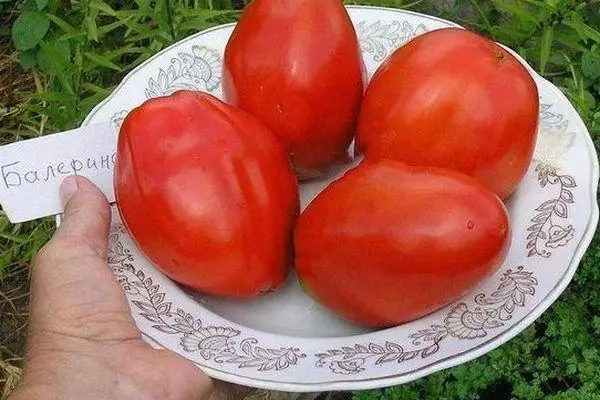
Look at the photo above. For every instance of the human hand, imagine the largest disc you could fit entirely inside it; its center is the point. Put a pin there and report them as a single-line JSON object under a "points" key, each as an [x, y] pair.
{"points": [[83, 343]]}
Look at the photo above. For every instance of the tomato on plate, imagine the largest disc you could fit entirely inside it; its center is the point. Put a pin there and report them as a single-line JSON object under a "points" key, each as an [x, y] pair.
{"points": [[297, 66], [208, 194], [451, 98], [389, 243]]}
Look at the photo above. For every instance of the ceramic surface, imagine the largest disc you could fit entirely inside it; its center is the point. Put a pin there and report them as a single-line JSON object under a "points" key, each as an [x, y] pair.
{"points": [[285, 341]]}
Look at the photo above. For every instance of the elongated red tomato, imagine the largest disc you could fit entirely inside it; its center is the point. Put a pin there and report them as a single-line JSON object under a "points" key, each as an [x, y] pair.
{"points": [[208, 194], [453, 99], [388, 243], [297, 66]]}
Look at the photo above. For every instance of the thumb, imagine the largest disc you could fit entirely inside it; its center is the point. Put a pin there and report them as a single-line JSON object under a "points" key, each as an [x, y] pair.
{"points": [[71, 280], [86, 219]]}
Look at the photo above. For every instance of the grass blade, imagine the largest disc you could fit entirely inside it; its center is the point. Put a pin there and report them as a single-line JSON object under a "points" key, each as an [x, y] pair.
{"points": [[95, 58], [545, 47], [62, 24]]}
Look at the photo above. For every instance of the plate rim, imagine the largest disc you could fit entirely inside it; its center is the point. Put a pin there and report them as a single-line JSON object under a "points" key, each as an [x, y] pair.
{"points": [[450, 361]]}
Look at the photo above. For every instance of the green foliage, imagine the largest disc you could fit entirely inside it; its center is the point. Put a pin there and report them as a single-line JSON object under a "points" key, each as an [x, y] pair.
{"points": [[561, 38], [29, 29], [85, 47], [76, 51], [20, 242]]}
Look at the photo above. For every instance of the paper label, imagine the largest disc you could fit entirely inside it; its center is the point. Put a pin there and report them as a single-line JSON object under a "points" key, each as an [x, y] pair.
{"points": [[31, 171]]}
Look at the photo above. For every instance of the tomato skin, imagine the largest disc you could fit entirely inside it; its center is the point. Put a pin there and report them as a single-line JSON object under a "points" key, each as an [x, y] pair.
{"points": [[197, 182], [297, 66], [453, 99], [388, 243]]}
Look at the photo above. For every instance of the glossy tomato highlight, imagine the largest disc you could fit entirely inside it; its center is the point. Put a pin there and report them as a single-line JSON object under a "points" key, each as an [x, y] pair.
{"points": [[388, 243], [297, 66], [208, 194], [453, 99]]}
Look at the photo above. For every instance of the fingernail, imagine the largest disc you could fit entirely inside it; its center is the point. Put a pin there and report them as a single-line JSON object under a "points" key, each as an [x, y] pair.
{"points": [[68, 188]]}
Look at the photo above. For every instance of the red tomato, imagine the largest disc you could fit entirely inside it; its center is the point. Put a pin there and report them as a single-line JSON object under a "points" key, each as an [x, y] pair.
{"points": [[208, 194], [388, 243], [297, 66], [453, 99]]}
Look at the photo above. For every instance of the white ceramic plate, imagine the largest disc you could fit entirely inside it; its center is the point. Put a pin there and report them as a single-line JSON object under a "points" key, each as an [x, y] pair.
{"points": [[284, 341]]}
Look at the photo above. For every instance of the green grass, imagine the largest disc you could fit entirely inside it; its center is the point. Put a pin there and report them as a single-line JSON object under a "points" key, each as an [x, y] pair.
{"points": [[68, 55]]}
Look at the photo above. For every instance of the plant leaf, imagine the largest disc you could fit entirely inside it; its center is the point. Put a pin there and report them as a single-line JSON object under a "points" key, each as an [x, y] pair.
{"points": [[27, 58], [29, 29], [62, 24], [102, 6], [545, 47], [590, 65], [41, 4], [57, 62], [102, 61]]}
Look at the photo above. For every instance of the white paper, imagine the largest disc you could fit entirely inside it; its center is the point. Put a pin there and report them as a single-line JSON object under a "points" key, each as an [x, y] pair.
{"points": [[31, 171]]}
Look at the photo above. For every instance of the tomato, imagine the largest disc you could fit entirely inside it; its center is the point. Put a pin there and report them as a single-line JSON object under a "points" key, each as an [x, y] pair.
{"points": [[197, 182], [389, 243], [297, 66], [453, 99]]}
